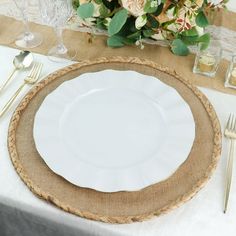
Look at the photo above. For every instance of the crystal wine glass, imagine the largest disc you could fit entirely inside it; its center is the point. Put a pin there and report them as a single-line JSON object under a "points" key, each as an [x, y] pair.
{"points": [[27, 39], [56, 13]]}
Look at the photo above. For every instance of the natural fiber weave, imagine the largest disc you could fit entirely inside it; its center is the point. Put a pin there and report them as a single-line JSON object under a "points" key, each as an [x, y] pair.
{"points": [[119, 207], [11, 28]]}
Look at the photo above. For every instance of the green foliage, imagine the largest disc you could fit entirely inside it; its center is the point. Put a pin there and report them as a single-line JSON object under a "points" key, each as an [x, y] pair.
{"points": [[189, 37], [117, 22], [201, 19], [100, 24], [135, 35], [115, 41], [111, 5], [150, 6], [179, 48], [148, 33], [104, 12], [204, 40], [159, 10], [191, 32], [125, 29], [85, 10], [75, 4]]}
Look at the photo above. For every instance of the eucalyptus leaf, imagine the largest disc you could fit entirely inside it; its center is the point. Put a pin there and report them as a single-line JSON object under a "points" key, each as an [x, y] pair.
{"points": [[128, 28], [135, 35], [159, 10], [201, 19], [117, 21], [148, 33], [115, 41], [104, 12], [204, 40], [179, 48], [100, 24], [190, 40], [85, 10], [191, 32], [129, 41]]}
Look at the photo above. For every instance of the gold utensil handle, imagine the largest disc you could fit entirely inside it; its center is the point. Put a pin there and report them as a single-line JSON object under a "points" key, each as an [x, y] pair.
{"points": [[11, 100], [229, 173], [8, 80]]}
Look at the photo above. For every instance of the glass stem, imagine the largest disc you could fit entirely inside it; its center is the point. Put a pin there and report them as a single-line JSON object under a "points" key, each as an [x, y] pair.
{"points": [[60, 45], [27, 33], [25, 21]]}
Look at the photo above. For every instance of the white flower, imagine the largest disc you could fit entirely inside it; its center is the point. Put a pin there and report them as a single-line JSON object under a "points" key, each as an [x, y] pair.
{"points": [[188, 3], [153, 4], [134, 7], [158, 36], [96, 12], [170, 13], [140, 21], [88, 21]]}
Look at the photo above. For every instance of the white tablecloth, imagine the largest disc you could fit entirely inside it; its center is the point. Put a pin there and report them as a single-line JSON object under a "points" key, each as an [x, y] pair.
{"points": [[203, 214], [22, 213]]}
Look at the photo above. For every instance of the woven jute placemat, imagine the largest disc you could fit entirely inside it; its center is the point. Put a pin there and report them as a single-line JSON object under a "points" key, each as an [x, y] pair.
{"points": [[118, 207]]}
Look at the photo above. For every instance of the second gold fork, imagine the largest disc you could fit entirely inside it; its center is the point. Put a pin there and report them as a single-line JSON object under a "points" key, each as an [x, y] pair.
{"points": [[230, 133], [32, 78]]}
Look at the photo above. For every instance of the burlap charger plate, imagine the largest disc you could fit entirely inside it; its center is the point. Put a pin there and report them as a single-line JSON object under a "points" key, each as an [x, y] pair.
{"points": [[118, 207]]}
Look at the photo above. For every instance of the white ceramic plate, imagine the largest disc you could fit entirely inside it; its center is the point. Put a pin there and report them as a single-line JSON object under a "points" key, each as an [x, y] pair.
{"points": [[114, 130]]}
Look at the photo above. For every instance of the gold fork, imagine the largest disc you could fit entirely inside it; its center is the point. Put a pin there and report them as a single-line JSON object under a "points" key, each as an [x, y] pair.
{"points": [[31, 79], [230, 133]]}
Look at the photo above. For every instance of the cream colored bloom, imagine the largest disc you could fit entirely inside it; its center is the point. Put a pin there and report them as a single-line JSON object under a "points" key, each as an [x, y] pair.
{"points": [[134, 7], [140, 22], [158, 36], [189, 3], [199, 2], [96, 12]]}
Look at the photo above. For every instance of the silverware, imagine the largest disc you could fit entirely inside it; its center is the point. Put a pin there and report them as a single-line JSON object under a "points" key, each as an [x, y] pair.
{"points": [[21, 61], [230, 133], [32, 78]]}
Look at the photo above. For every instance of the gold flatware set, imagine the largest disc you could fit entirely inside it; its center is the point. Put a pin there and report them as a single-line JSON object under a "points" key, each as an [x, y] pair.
{"points": [[21, 62]]}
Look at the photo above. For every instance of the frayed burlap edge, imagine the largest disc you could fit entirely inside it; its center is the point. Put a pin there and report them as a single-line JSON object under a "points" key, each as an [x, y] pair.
{"points": [[108, 219]]}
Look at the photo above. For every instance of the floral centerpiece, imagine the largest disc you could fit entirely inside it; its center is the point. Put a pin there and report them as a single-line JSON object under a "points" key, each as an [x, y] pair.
{"points": [[179, 22]]}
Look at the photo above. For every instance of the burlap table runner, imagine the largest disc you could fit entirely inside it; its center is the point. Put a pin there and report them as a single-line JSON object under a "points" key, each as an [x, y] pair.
{"points": [[118, 207], [10, 28]]}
